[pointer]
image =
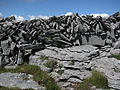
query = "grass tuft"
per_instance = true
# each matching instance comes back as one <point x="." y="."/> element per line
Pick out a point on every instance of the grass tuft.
<point x="51" y="64"/>
<point x="97" y="79"/>
<point x="9" y="88"/>
<point x="60" y="72"/>
<point x="44" y="58"/>
<point x="116" y="56"/>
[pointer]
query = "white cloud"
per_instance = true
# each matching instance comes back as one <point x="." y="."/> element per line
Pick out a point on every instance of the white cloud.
<point x="69" y="14"/>
<point x="47" y="17"/>
<point x="1" y="14"/>
<point x="103" y="15"/>
<point x="40" y="16"/>
<point x="18" y="18"/>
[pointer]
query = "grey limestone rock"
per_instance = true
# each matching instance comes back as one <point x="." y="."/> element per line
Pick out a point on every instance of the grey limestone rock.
<point x="117" y="44"/>
<point x="115" y="51"/>
<point x="75" y="74"/>
<point x="74" y="80"/>
<point x="19" y="80"/>
<point x="111" y="68"/>
<point x="93" y="40"/>
<point x="5" y="47"/>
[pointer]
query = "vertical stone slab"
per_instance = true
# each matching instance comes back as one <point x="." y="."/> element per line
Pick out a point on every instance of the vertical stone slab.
<point x="92" y="40"/>
<point x="5" y="47"/>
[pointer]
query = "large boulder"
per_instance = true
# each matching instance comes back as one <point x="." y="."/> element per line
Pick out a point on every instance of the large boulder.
<point x="92" y="40"/>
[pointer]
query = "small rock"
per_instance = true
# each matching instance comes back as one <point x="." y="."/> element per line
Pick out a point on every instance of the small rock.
<point x="115" y="51"/>
<point x="74" y="80"/>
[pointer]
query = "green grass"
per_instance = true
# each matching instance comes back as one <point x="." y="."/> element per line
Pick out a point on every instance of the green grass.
<point x="9" y="88"/>
<point x="60" y="72"/>
<point x="51" y="64"/>
<point x="44" y="58"/>
<point x="12" y="88"/>
<point x="38" y="75"/>
<point x="97" y="79"/>
<point x="116" y="56"/>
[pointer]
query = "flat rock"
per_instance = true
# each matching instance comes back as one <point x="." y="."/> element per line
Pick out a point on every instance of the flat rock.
<point x="19" y="80"/>
<point x="74" y="80"/>
<point x="78" y="53"/>
<point x="75" y="74"/>
<point x="111" y="68"/>
<point x="115" y="51"/>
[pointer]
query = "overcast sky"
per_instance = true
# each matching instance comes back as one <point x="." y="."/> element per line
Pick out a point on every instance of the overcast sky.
<point x="27" y="8"/>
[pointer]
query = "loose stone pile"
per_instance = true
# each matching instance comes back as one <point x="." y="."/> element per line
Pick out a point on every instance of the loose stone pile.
<point x="74" y="44"/>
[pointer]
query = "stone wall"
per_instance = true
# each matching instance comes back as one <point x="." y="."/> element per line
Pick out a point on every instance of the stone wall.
<point x="19" y="40"/>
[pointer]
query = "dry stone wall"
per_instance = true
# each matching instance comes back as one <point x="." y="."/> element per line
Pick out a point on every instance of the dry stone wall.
<point x="18" y="40"/>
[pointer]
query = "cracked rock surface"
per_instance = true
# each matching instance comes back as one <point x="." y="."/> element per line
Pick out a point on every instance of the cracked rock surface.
<point x="20" y="80"/>
<point x="74" y="64"/>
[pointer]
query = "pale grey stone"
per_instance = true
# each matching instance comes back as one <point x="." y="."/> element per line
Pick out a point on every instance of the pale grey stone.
<point x="113" y="26"/>
<point x="18" y="80"/>
<point x="12" y="46"/>
<point x="10" y="67"/>
<point x="94" y="53"/>
<point x="111" y="68"/>
<point x="108" y="41"/>
<point x="20" y="58"/>
<point x="74" y="80"/>
<point x="66" y="84"/>
<point x="71" y="73"/>
<point x="92" y="40"/>
<point x="35" y="60"/>
<point x="93" y="87"/>
<point x="115" y="51"/>
<point x="5" y="47"/>
<point x="55" y="76"/>
<point x="117" y="44"/>
<point x="67" y="54"/>
<point x="0" y="61"/>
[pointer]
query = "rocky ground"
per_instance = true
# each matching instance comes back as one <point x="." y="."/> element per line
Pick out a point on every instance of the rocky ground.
<point x="75" y="64"/>
<point x="68" y="48"/>
<point x="20" y="80"/>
